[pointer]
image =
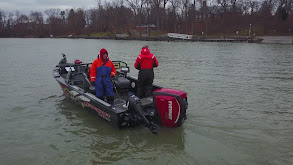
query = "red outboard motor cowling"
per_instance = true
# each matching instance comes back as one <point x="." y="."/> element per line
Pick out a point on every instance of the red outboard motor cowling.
<point x="171" y="105"/>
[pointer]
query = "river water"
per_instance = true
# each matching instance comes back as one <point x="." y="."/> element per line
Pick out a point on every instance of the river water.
<point x="240" y="105"/>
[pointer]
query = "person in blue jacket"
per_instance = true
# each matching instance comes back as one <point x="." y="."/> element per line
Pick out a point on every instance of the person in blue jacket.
<point x="101" y="72"/>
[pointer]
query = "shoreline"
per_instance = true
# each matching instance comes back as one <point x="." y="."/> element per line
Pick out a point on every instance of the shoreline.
<point x="277" y="39"/>
<point x="231" y="39"/>
<point x="168" y="39"/>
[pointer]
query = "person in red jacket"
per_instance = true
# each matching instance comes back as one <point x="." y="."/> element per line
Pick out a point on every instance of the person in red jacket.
<point x="145" y="62"/>
<point x="101" y="72"/>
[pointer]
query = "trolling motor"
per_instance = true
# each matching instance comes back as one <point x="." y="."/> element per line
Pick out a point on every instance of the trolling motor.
<point x="134" y="104"/>
<point x="62" y="64"/>
<point x="64" y="60"/>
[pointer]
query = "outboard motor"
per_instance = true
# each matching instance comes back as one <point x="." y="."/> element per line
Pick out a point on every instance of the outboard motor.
<point x="134" y="104"/>
<point x="171" y="105"/>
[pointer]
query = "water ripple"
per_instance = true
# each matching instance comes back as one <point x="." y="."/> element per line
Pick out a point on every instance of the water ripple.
<point x="240" y="105"/>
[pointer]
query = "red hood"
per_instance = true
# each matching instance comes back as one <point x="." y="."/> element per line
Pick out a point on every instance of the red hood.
<point x="102" y="51"/>
<point x="145" y="51"/>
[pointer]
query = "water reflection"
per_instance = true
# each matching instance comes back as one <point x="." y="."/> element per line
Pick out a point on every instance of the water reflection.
<point x="105" y="143"/>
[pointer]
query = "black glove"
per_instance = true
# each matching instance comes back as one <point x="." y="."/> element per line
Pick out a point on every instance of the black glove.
<point x="93" y="83"/>
<point x="112" y="78"/>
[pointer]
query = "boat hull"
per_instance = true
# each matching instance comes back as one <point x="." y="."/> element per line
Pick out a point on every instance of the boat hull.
<point x="114" y="115"/>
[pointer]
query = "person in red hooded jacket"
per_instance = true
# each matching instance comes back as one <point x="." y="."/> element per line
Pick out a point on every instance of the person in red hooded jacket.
<point x="101" y="72"/>
<point x="145" y="62"/>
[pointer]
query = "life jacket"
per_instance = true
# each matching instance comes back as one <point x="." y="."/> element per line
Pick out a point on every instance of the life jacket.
<point x="101" y="72"/>
<point x="146" y="60"/>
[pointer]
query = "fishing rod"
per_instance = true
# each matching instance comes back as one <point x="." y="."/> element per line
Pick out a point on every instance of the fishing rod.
<point x="116" y="88"/>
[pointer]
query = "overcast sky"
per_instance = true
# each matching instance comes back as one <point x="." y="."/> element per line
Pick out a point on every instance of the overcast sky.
<point x="41" y="5"/>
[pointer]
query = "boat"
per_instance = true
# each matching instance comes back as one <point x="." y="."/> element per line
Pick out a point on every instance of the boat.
<point x="254" y="40"/>
<point x="165" y="108"/>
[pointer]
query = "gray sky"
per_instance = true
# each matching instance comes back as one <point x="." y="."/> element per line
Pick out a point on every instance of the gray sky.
<point x="41" y="5"/>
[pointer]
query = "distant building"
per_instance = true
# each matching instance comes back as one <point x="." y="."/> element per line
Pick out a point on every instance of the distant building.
<point x="215" y="12"/>
<point x="144" y="28"/>
<point x="208" y="14"/>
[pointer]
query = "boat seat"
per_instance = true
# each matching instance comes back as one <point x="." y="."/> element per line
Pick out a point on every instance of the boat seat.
<point x="122" y="84"/>
<point x="78" y="80"/>
<point x="81" y="80"/>
<point x="80" y="69"/>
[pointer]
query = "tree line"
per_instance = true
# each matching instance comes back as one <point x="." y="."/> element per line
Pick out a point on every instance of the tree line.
<point x="217" y="17"/>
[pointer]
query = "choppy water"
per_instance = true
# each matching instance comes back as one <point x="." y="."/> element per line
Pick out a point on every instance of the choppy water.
<point x="240" y="105"/>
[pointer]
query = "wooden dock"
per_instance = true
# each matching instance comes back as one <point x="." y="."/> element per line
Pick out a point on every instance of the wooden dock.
<point x="223" y="40"/>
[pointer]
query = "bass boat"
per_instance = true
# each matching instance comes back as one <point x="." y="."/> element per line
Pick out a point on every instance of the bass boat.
<point x="166" y="107"/>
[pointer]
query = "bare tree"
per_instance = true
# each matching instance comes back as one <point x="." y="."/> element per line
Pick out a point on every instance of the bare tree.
<point x="118" y="16"/>
<point x="156" y="4"/>
<point x="184" y="6"/>
<point x="290" y="6"/>
<point x="285" y="4"/>
<point x="164" y="14"/>
<point x="249" y="6"/>
<point x="137" y="7"/>
<point x="122" y="16"/>
<point x="175" y="5"/>
<point x="52" y="12"/>
<point x="10" y="21"/>
<point x="36" y="22"/>
<point x="99" y="3"/>
<point x="267" y="7"/>
<point x="76" y="21"/>
<point x="224" y="4"/>
<point x="62" y="14"/>
<point x="2" y="20"/>
<point x="56" y="23"/>
<point x="234" y="5"/>
<point x="244" y="6"/>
